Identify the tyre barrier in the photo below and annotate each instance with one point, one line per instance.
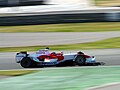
(59, 18)
(12, 3)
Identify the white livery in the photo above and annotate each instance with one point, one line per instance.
(44, 58)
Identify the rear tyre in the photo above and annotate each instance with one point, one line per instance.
(27, 63)
(80, 60)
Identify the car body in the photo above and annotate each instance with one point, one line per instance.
(44, 58)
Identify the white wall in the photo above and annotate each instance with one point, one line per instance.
(88, 2)
(63, 1)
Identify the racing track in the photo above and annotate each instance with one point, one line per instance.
(109, 56)
(33, 39)
(7, 60)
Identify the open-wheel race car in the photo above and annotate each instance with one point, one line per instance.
(43, 58)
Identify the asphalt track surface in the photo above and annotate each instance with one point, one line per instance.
(109, 56)
(33, 39)
(108, 87)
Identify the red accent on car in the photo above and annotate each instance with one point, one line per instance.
(60, 56)
(86, 56)
(53, 55)
(43, 57)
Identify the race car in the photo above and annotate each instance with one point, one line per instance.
(43, 58)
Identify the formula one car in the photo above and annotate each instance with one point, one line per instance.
(43, 58)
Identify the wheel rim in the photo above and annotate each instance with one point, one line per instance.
(26, 63)
(80, 60)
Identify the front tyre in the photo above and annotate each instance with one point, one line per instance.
(80, 60)
(26, 62)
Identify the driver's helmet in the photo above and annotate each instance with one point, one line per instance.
(47, 48)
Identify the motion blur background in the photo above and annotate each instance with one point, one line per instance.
(68, 25)
(27, 12)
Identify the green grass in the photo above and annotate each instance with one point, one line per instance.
(74, 78)
(102, 44)
(71, 27)
(16, 72)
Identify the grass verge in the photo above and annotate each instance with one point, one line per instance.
(71, 27)
(74, 78)
(103, 44)
(16, 72)
(107, 2)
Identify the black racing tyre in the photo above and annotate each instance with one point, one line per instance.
(80, 60)
(26, 62)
